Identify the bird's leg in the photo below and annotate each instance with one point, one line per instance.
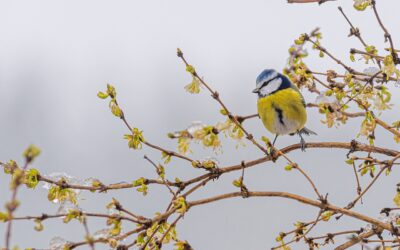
(302, 142)
(276, 137)
(305, 131)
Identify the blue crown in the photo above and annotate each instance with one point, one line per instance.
(266, 75)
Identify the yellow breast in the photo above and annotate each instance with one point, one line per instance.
(282, 112)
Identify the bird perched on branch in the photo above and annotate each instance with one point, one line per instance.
(281, 106)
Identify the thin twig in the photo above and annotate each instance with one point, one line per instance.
(88, 237)
(357, 179)
(12, 205)
(357, 239)
(162, 177)
(386, 34)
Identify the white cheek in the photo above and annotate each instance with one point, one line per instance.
(271, 87)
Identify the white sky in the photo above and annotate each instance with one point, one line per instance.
(56, 55)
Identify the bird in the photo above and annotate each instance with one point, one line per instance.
(281, 106)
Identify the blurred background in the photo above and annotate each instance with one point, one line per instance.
(56, 56)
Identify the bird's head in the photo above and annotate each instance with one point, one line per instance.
(268, 82)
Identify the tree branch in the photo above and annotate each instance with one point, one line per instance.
(300, 199)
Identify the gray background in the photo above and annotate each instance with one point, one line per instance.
(56, 55)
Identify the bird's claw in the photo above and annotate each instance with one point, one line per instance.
(244, 191)
(272, 154)
(215, 173)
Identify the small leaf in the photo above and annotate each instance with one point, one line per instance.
(3, 217)
(288, 167)
(111, 91)
(190, 69)
(139, 182)
(350, 161)
(166, 157)
(325, 216)
(237, 183)
(31, 178)
(396, 199)
(266, 140)
(38, 225)
(364, 171)
(116, 110)
(102, 95)
(194, 86)
(180, 205)
(135, 139)
(352, 58)
(31, 153)
(361, 5)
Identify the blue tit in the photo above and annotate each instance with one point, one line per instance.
(281, 106)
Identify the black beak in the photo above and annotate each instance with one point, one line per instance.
(256, 90)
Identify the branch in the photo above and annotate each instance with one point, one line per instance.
(387, 34)
(13, 204)
(44, 217)
(357, 239)
(215, 95)
(324, 50)
(309, 1)
(160, 175)
(101, 240)
(377, 120)
(352, 204)
(168, 152)
(105, 187)
(353, 146)
(88, 237)
(353, 30)
(301, 199)
(249, 136)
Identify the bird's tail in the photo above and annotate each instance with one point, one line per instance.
(306, 131)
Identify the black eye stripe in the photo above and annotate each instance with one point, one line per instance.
(266, 82)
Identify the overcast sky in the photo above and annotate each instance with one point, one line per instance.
(56, 55)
